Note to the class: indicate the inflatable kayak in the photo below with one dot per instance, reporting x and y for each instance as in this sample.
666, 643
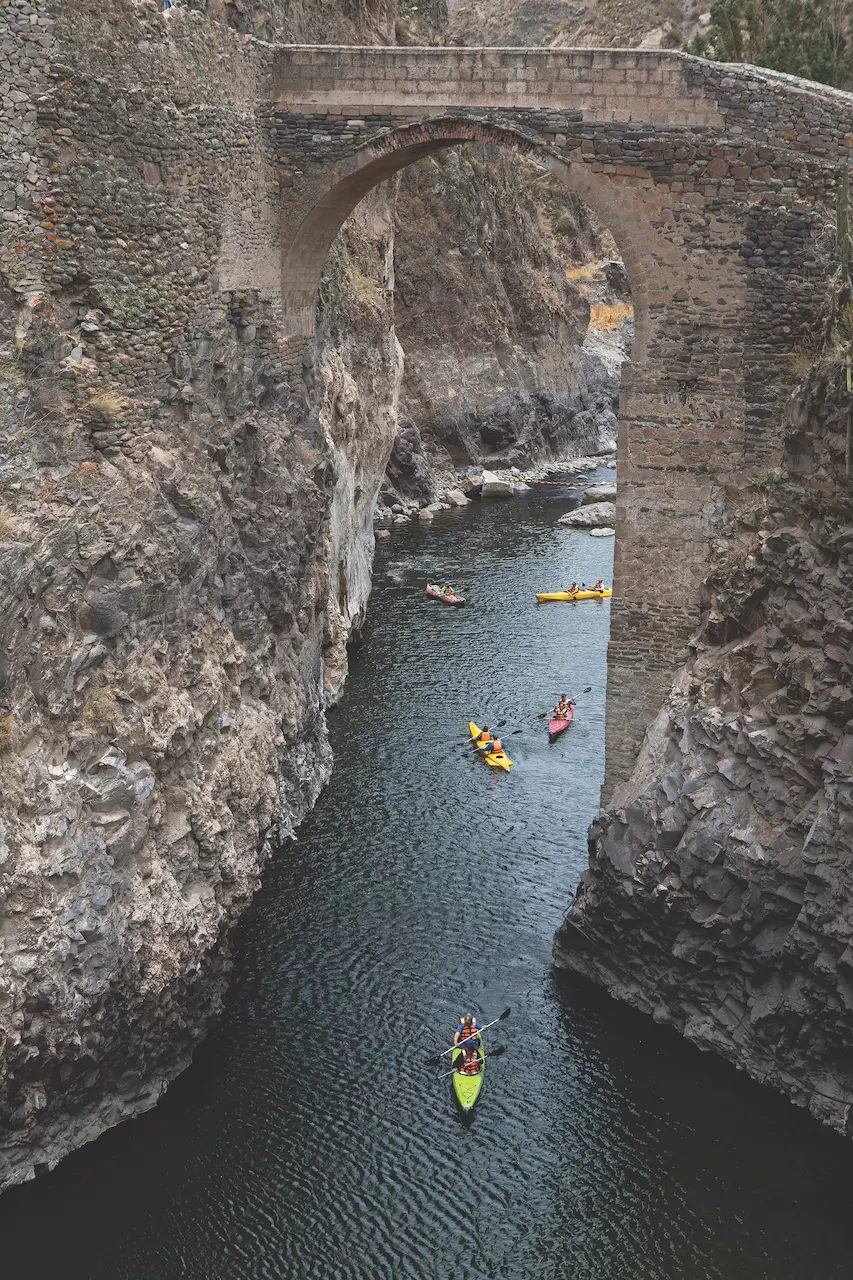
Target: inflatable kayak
436, 593
497, 759
556, 727
467, 1088
575, 595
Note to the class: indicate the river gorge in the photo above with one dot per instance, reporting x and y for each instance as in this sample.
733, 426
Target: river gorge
419, 885
290, 290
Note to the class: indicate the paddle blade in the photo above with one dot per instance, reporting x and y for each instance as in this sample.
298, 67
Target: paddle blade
434, 1060
496, 1053
507, 1011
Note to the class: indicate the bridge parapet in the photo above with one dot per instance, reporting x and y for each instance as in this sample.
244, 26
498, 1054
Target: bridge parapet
604, 84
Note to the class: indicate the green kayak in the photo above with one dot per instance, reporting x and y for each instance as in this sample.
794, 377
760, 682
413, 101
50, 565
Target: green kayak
467, 1088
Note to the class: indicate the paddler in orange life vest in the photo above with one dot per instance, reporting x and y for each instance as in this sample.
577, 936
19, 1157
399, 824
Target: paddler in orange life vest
563, 707
599, 586
469, 1064
468, 1027
447, 590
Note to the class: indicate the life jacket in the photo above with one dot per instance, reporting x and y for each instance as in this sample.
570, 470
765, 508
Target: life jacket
497, 746
484, 738
470, 1066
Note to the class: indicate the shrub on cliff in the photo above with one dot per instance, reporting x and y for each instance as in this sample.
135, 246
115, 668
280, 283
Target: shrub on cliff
809, 38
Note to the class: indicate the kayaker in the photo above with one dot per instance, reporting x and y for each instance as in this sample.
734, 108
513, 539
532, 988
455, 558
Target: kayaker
448, 590
494, 747
563, 707
599, 586
573, 589
468, 1027
470, 1063
483, 739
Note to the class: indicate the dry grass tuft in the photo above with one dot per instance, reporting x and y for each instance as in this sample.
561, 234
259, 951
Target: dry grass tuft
7, 728
106, 403
606, 317
102, 708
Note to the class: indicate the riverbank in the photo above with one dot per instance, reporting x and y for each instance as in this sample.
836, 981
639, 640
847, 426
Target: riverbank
467, 484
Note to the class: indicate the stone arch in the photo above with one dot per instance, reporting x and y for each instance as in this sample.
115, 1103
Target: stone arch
655, 269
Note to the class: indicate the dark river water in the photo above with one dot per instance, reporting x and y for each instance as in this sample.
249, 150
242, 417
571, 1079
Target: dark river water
309, 1139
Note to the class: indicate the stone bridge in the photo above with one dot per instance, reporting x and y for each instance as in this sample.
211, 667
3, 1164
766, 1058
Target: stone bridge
716, 182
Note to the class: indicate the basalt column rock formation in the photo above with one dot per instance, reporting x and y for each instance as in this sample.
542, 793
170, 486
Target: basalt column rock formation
719, 896
185, 532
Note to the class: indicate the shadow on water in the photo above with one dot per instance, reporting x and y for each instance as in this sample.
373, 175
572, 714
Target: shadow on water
309, 1138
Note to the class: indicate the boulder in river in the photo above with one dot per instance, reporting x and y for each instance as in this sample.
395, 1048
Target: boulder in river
598, 516
600, 493
456, 498
495, 487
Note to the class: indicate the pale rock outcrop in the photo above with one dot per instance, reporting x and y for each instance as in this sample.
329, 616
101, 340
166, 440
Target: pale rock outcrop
595, 516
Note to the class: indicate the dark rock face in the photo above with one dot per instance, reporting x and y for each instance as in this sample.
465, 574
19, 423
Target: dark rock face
719, 896
185, 540
492, 330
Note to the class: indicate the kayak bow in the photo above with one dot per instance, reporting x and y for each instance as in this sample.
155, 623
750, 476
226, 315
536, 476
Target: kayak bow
467, 1088
498, 759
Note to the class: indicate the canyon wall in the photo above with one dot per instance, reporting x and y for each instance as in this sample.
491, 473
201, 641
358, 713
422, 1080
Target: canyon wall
500, 365
719, 895
185, 533
186, 502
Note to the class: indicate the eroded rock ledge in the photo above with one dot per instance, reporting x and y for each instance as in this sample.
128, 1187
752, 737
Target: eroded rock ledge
719, 895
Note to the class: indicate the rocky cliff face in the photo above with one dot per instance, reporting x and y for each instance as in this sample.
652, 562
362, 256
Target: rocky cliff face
185, 536
490, 308
574, 23
719, 896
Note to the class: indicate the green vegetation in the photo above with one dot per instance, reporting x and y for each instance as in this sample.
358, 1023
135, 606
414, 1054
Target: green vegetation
808, 38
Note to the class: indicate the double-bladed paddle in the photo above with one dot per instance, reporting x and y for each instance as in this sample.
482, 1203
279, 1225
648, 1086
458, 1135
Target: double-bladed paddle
436, 1058
486, 1053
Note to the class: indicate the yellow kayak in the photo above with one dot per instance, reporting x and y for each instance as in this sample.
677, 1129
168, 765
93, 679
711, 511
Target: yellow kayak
575, 595
498, 759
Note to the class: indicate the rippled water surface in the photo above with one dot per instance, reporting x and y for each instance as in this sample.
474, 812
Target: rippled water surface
309, 1139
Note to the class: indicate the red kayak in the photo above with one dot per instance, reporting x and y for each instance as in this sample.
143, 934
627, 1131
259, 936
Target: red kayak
556, 727
436, 593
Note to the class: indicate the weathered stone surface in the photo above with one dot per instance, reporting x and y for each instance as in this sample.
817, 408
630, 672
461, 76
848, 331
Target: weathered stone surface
593, 517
